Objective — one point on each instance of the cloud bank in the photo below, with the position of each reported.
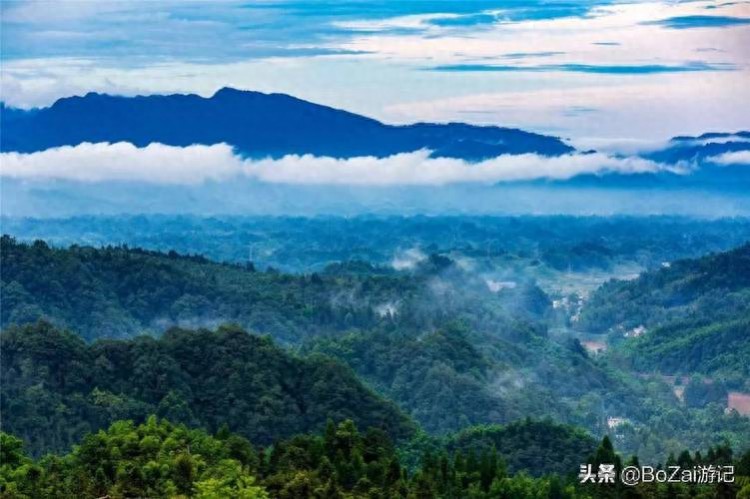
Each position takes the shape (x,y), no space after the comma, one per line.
(732,158)
(162,164)
(155,163)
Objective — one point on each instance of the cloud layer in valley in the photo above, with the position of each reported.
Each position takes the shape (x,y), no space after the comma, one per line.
(732,158)
(155,163)
(162,164)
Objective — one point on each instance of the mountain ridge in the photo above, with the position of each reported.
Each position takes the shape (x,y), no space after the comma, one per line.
(257,125)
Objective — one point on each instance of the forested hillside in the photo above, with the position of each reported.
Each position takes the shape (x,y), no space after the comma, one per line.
(435,338)
(55,388)
(690,317)
(537,447)
(453,377)
(117,292)
(714,287)
(440,378)
(158,459)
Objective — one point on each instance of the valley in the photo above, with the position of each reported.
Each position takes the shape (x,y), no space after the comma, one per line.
(492,326)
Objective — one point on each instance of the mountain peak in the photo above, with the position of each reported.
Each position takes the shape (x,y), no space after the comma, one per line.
(256,124)
(233,92)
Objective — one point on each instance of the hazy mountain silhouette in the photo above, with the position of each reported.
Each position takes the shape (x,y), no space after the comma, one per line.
(256,124)
(702,147)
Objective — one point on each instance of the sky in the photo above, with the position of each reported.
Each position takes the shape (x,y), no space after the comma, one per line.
(591,71)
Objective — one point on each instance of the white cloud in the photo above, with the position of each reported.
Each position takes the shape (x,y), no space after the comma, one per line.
(155,163)
(732,158)
(406,260)
(572,38)
(719,140)
(158,163)
(648,109)
(417,168)
(412,21)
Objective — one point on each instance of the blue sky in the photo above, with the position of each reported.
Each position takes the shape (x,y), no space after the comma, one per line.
(587,70)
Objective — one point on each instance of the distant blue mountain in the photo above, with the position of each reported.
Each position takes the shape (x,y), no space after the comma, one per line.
(256,124)
(702,147)
(693,162)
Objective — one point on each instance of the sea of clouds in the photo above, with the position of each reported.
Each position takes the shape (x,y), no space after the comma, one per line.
(195,164)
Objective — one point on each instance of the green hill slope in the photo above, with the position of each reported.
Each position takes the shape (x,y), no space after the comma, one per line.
(691,317)
(55,388)
(118,292)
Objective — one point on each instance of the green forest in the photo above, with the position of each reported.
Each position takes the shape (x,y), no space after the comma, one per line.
(696,312)
(436,372)
(451,353)
(161,459)
(119,292)
(56,388)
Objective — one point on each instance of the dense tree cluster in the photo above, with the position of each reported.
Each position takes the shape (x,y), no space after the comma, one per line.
(117,292)
(55,388)
(538,447)
(712,287)
(155,459)
(453,377)
(158,459)
(440,377)
(694,317)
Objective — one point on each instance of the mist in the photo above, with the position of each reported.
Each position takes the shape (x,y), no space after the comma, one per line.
(64,198)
